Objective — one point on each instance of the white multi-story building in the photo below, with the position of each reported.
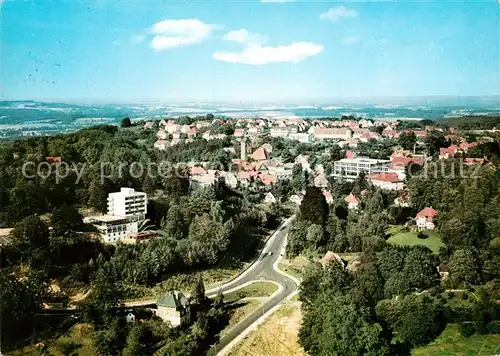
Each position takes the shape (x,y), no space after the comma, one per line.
(350,168)
(127,202)
(279,131)
(303,137)
(126,215)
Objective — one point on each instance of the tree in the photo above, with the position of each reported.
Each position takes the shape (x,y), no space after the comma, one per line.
(407,140)
(126,122)
(198,293)
(434,141)
(337,326)
(314,207)
(420,268)
(464,269)
(415,320)
(65,219)
(314,235)
(139,341)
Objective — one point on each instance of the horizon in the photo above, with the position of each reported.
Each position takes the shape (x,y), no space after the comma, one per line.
(253,51)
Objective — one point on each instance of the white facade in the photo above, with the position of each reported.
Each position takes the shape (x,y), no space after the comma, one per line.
(424,224)
(126,212)
(279,131)
(303,137)
(127,202)
(388,185)
(350,168)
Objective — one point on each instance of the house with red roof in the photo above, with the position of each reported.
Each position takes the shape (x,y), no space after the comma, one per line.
(161,145)
(192,132)
(260,154)
(424,219)
(389,181)
(53,159)
(352,201)
(238,132)
(268,179)
(472,161)
(447,153)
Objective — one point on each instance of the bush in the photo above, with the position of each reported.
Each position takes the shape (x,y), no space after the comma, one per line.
(421,235)
(493,327)
(467,329)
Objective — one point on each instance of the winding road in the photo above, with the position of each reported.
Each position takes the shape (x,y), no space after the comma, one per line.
(264,268)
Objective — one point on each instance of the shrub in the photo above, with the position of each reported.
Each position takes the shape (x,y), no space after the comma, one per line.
(467,329)
(421,235)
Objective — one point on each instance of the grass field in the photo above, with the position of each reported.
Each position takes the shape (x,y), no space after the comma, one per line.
(277,336)
(257,289)
(409,238)
(452,343)
(239,313)
(296,267)
(78,339)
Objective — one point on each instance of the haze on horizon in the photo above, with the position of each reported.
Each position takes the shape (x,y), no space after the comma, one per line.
(250,52)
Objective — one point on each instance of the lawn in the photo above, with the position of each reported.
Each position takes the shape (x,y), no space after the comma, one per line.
(277,336)
(256,289)
(295,267)
(240,311)
(451,342)
(409,238)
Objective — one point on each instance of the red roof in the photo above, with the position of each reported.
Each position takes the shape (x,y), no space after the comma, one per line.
(427,213)
(385,177)
(238,132)
(350,154)
(53,159)
(401,161)
(267,178)
(470,161)
(260,154)
(351,199)
(198,170)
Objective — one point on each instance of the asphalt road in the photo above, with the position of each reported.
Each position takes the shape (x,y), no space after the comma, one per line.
(262,269)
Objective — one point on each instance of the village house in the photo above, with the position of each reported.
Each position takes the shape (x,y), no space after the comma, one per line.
(255,130)
(447,153)
(192,132)
(403,200)
(267,179)
(173,307)
(260,154)
(172,127)
(303,137)
(389,181)
(332,133)
(238,133)
(204,180)
(320,181)
(149,125)
(229,179)
(130,318)
(424,219)
(332,256)
(296,199)
(352,201)
(162,134)
(185,129)
(161,145)
(243,178)
(279,131)
(328,196)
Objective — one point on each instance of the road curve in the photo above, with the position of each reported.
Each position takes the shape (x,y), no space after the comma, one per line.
(263,269)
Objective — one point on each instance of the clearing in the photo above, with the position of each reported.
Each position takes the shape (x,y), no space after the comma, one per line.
(256,289)
(409,238)
(451,342)
(295,267)
(277,336)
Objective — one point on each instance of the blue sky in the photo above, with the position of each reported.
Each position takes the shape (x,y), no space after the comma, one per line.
(251,51)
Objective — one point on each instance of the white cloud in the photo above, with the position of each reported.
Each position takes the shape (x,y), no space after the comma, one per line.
(349,40)
(338,13)
(257,54)
(265,1)
(243,36)
(176,33)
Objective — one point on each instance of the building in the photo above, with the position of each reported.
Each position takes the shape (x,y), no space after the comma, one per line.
(130,318)
(162,134)
(5,237)
(320,181)
(328,196)
(332,256)
(389,181)
(352,201)
(424,219)
(296,199)
(173,307)
(260,154)
(279,131)
(126,215)
(161,145)
(303,137)
(138,238)
(321,133)
(351,168)
(270,198)
(245,148)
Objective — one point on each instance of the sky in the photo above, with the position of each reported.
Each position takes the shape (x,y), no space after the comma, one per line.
(247,50)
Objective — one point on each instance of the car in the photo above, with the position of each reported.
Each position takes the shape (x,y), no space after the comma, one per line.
(270,253)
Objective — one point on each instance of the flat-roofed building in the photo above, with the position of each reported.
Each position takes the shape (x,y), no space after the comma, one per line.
(126,215)
(351,168)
